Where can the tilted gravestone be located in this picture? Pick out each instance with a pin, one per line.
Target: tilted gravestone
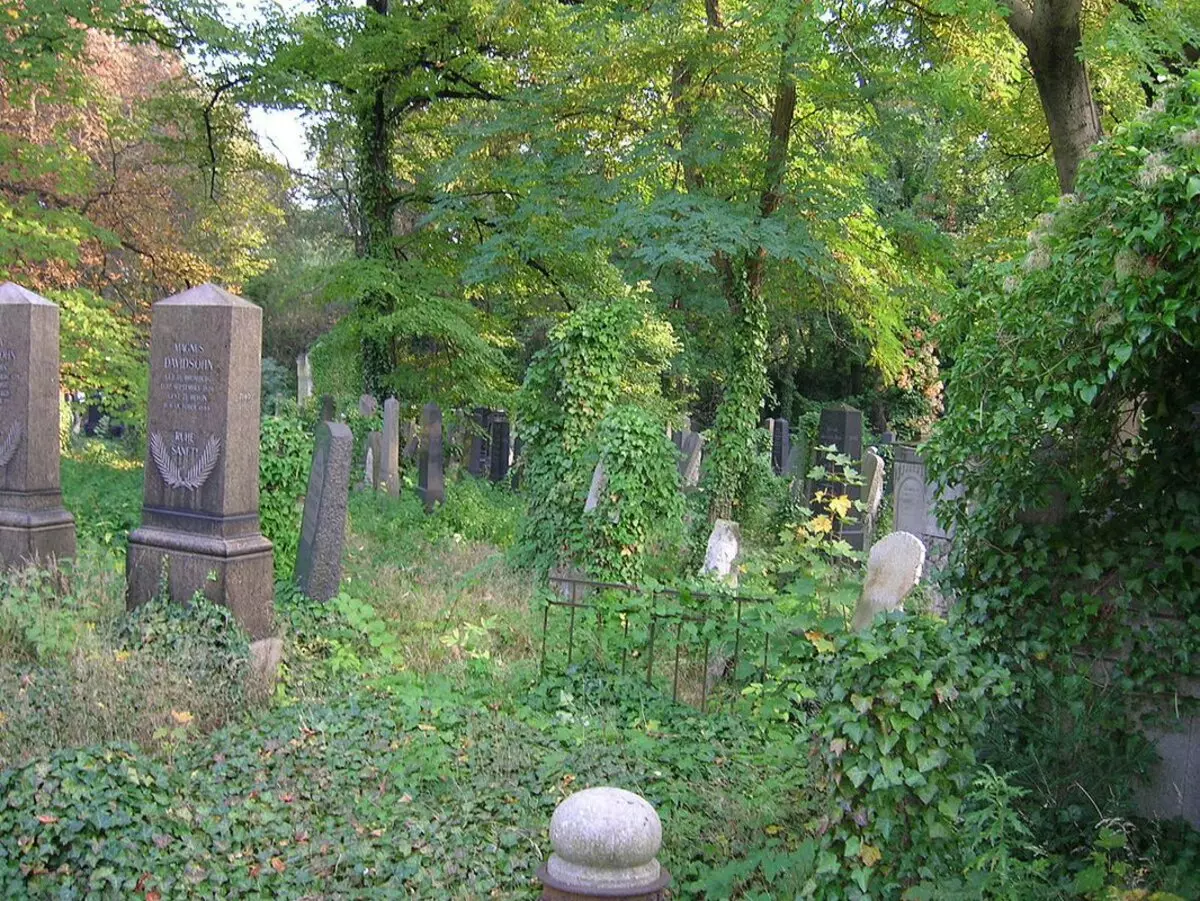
(33, 522)
(200, 513)
(431, 477)
(873, 473)
(390, 449)
(304, 382)
(596, 491)
(893, 570)
(841, 426)
(689, 462)
(500, 447)
(781, 445)
(323, 529)
(478, 450)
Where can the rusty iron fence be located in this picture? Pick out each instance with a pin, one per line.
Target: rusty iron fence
(681, 622)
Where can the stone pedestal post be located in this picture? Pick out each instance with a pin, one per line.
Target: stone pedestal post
(33, 523)
(605, 843)
(200, 528)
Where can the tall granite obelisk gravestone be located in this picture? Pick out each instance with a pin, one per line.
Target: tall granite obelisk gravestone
(200, 529)
(33, 523)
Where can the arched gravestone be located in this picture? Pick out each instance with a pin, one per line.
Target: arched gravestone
(200, 512)
(33, 522)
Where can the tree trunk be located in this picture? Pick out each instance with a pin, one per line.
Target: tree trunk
(1053, 37)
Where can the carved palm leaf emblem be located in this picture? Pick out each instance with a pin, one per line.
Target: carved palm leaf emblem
(11, 442)
(173, 474)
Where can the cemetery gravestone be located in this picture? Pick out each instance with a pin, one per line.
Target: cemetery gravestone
(304, 382)
(375, 455)
(724, 545)
(500, 447)
(841, 426)
(367, 405)
(478, 450)
(34, 525)
(517, 466)
(689, 462)
(599, 483)
(781, 445)
(390, 449)
(893, 569)
(328, 408)
(200, 513)
(679, 434)
(873, 472)
(431, 478)
(368, 482)
(411, 438)
(323, 529)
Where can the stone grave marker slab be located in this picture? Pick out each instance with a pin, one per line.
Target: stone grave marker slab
(499, 447)
(323, 529)
(34, 525)
(200, 512)
(431, 475)
(390, 462)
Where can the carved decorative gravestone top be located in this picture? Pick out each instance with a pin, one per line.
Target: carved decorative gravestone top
(200, 511)
(33, 522)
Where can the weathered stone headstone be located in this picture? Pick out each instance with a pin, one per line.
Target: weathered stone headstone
(781, 445)
(390, 449)
(323, 529)
(689, 461)
(368, 482)
(721, 555)
(200, 514)
(599, 483)
(375, 455)
(678, 435)
(499, 447)
(367, 405)
(411, 438)
(34, 525)
(478, 449)
(431, 478)
(873, 473)
(893, 569)
(841, 426)
(304, 382)
(517, 466)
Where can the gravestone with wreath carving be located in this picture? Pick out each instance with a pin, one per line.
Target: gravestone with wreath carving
(200, 530)
(33, 523)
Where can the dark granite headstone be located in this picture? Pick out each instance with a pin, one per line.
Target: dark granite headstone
(431, 479)
(33, 523)
(499, 447)
(200, 513)
(323, 529)
(390, 468)
(841, 426)
(689, 459)
(781, 445)
(478, 448)
(328, 408)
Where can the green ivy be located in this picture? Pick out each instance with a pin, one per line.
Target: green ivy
(1072, 424)
(284, 459)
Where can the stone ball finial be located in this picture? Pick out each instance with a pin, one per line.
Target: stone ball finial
(605, 843)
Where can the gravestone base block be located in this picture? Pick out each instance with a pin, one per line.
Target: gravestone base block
(238, 573)
(36, 535)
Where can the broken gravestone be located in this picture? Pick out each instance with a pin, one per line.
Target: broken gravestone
(893, 570)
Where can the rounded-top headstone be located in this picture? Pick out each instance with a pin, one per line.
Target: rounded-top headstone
(605, 843)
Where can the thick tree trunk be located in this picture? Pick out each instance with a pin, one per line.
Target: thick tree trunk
(1053, 37)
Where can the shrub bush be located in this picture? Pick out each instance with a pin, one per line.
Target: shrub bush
(284, 460)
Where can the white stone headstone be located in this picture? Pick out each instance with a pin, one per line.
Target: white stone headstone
(893, 569)
(599, 483)
(724, 545)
